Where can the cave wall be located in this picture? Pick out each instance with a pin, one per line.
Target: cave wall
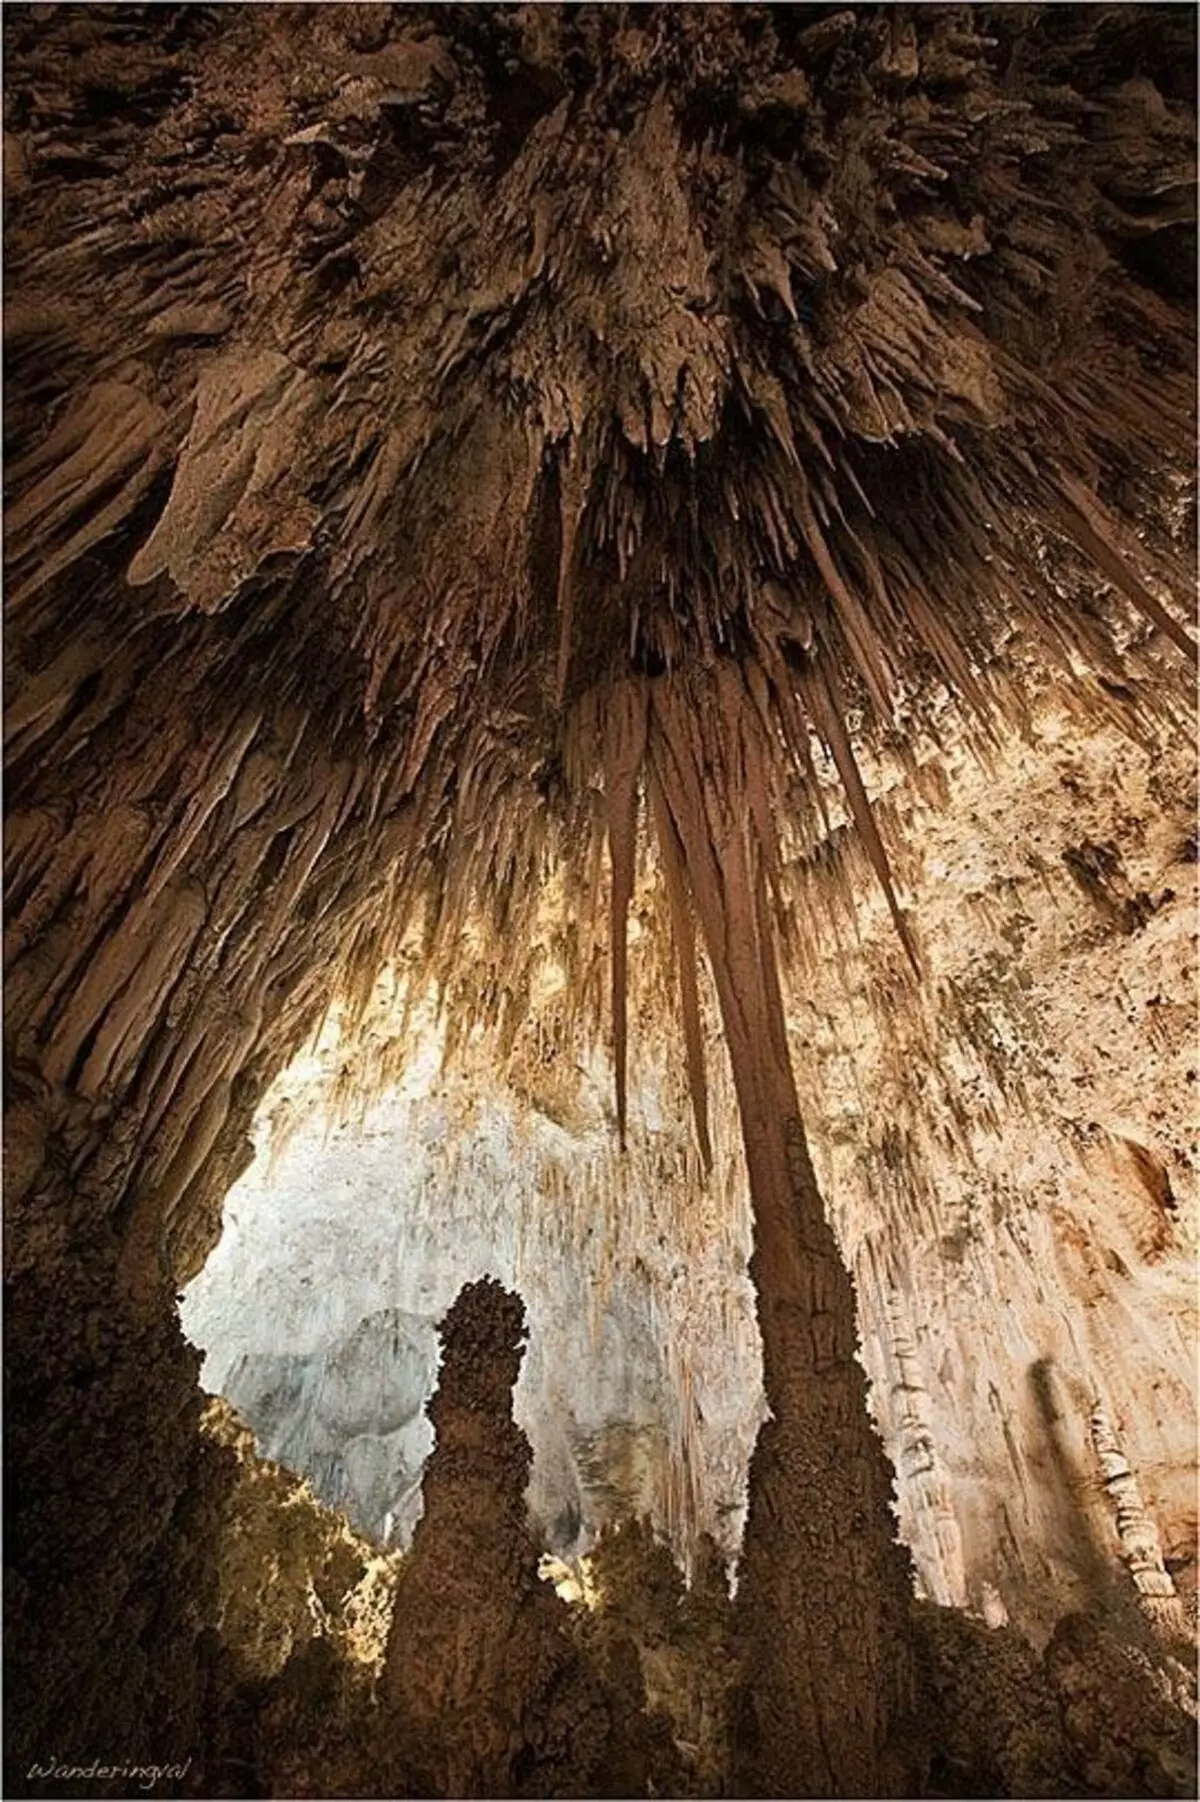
(1033, 1158)
(1020, 1215)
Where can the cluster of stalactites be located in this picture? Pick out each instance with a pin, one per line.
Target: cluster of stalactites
(434, 460)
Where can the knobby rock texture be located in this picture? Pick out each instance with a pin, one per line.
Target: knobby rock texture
(436, 438)
(484, 1692)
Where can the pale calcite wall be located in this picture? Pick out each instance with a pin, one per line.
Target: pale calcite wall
(640, 1391)
(1005, 1149)
(1010, 1158)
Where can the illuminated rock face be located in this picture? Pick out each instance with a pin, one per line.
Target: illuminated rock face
(1007, 1169)
(318, 1311)
(1011, 1170)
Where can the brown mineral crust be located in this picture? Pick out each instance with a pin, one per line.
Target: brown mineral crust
(1096, 1714)
(114, 1598)
(992, 1716)
(1129, 1716)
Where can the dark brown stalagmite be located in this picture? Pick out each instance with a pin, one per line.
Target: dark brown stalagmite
(823, 1586)
(484, 1693)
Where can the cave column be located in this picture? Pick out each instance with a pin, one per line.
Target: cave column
(824, 1588)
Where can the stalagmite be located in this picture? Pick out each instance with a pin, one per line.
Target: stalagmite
(484, 1695)
(829, 1679)
(1140, 1545)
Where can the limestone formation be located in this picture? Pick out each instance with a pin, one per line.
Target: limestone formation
(1032, 1152)
(484, 1693)
(454, 448)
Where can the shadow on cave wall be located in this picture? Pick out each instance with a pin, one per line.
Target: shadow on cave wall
(1098, 1577)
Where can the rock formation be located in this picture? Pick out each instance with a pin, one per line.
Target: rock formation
(1018, 1224)
(438, 438)
(484, 1693)
(290, 1570)
(682, 1638)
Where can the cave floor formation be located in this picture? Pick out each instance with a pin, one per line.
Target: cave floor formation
(633, 565)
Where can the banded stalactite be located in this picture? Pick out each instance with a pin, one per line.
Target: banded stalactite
(429, 429)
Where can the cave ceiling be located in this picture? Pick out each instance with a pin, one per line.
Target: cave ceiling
(482, 394)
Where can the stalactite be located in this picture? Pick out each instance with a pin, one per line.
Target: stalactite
(683, 927)
(830, 721)
(113, 441)
(624, 746)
